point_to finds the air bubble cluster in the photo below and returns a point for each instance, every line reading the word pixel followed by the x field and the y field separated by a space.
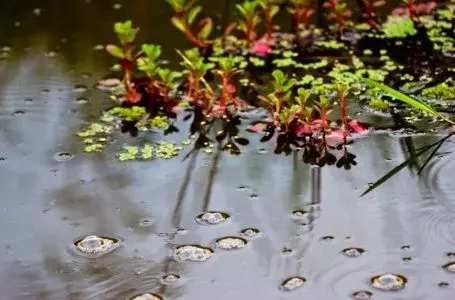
pixel 95 246
pixel 231 243
pixel 292 283
pixel 193 253
pixel 212 218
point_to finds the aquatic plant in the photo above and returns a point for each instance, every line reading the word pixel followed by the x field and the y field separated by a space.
pixel 338 11
pixel 301 10
pixel 413 9
pixel 368 14
pixel 399 27
pixel 270 9
pixel 251 18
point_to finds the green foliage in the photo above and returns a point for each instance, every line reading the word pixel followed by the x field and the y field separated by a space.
pixel 194 62
pixel 256 61
pixel 248 9
pixel 125 32
pixel 180 5
pixel 282 84
pixel 284 62
pixel 167 150
pixel 441 91
pixel 399 27
pixel 134 113
pixel 332 44
pixel 168 77
pixel 379 104
pixel 415 103
pixel 150 64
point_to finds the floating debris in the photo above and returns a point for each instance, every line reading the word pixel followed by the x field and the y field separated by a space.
pixel 450 267
pixel 363 295
pixel 231 243
pixel 250 232
pixel 95 246
pixel 389 282
pixel 193 253
pixel 147 296
pixel 353 252
pixel 63 156
pixel 212 218
pixel 292 283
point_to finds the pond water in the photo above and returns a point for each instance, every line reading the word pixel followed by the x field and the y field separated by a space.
pixel 213 226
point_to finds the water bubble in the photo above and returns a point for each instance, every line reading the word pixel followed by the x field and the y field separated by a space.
pixel 406 247
pixel 254 196
pixel 145 222
pixel 299 214
pixel 19 112
pixel 328 238
pixel 2 158
pixel 95 246
pixel 292 283
pixel 51 54
pixel 363 295
pixel 28 100
pixel 450 254
pixel 353 252
pixel 45 91
pixel 287 251
pixel 389 282
pixel 406 259
pixel 193 253
pixel 263 151
pixel 212 218
pixel 450 267
pixel 443 284
pixel 170 279
pixel 63 156
pixel 37 11
pixel 82 100
pixel 242 188
pixel 80 89
pixel 147 296
pixel 117 6
pixel 98 47
pixel 231 243
pixel 250 232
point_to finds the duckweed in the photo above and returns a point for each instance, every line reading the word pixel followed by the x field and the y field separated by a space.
pixel 332 44
pixel 134 113
pixel 440 91
pixel 379 104
pixel 167 150
pixel 94 148
pixel 399 27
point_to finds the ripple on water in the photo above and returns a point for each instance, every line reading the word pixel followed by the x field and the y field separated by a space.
pixel 362 295
pixel 212 218
pixel 299 214
pixel 63 156
pixel 194 253
pixel 292 283
pixel 250 233
pixel 81 100
pixel 147 296
pixel 19 112
pixel 353 252
pixel 170 279
pixel 95 246
pixel 80 89
pixel 231 243
pixel 389 282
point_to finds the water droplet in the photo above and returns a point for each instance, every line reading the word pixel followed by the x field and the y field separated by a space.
pixel 363 295
pixel 263 151
pixel 254 197
pixel 450 267
pixel 406 247
pixel 98 47
pixel 63 156
pixel 80 89
pixel 117 6
pixel 299 214
pixel 328 238
pixel 147 296
pixel 389 282
pixel 287 251
pixel 18 112
pixel 51 54
pixel 212 218
pixel 95 246
pixel 231 243
pixel 145 222
pixel 406 259
pixel 193 253
pixel 250 232
pixel 81 100
pixel 450 254
pixel 443 284
pixel 353 252
pixel 170 279
pixel 37 11
pixel 292 283
pixel 45 91
pixel 2 158
pixel 242 188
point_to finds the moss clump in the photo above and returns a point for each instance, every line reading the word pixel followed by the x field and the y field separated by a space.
pixel 332 44
pixel 94 148
pixel 167 150
pixel 379 104
pixel 399 27
pixel 134 113
pixel 94 130
pixel 441 91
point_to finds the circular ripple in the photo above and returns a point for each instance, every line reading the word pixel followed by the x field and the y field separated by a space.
pixel 299 214
pixel 147 296
pixel 231 243
pixel 450 267
pixel 170 279
pixel 212 218
pixel 292 283
pixel 95 246
pixel 250 233
pixel 389 282
pixel 63 156
pixel 353 252
pixel 194 253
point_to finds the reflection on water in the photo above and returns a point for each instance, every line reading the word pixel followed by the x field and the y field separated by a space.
pixel 53 194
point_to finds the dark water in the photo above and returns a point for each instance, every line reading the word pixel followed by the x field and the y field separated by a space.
pixel 306 216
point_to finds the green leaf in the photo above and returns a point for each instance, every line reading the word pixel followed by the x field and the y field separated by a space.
pixel 126 33
pixel 193 13
pixel 418 104
pixel 153 52
pixel 274 10
pixel 205 29
pixel 178 23
pixel 115 51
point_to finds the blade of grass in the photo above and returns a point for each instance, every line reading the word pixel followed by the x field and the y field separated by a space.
pixel 406 99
